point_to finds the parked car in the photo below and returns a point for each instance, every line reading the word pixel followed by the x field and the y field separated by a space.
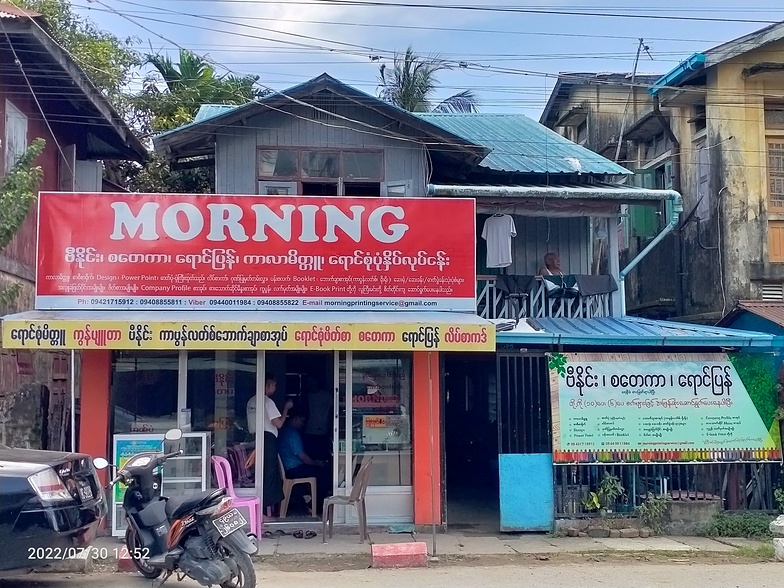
pixel 51 505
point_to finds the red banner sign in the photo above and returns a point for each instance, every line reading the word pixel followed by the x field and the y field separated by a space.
pixel 158 251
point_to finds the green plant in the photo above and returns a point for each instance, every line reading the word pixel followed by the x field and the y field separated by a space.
pixel 610 490
pixel 591 502
pixel 557 362
pixel 750 525
pixel 652 511
pixel 778 494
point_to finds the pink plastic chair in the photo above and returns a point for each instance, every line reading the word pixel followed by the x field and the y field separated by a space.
pixel 223 476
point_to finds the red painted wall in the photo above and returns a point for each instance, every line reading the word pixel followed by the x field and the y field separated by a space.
pixel 426 462
pixel 22 247
pixel 95 396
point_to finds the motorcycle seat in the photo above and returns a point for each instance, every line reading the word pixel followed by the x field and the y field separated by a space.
pixel 178 507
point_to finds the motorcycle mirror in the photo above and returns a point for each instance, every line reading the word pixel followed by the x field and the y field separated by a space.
pixel 100 463
pixel 173 435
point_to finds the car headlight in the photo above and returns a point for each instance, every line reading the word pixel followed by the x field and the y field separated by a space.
pixel 49 487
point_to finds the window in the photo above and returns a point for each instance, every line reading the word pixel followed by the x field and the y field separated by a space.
pixel 774 116
pixel 381 402
pixel 320 164
pixel 15 135
pixel 144 391
pixel 278 163
pixel 776 174
pixel 220 384
pixel 358 165
pixel 702 180
pixel 315 172
pixel 582 133
pixel 699 120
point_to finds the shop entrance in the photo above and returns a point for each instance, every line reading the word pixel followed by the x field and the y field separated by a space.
pixel 471 441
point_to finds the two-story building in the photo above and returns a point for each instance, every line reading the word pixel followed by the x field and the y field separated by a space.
pixel 44 94
pixel 447 347
pixel 710 129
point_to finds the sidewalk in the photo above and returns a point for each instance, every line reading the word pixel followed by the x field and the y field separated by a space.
pixel 456 544
pixel 461 544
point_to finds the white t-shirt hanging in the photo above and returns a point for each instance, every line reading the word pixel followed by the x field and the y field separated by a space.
pixel 498 232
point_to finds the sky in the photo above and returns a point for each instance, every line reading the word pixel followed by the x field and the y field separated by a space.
pixel 510 58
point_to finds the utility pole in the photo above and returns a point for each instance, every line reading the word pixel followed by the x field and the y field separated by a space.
pixel 640 48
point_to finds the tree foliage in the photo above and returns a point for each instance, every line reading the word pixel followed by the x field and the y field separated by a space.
pixel 173 93
pixel 17 196
pixel 413 81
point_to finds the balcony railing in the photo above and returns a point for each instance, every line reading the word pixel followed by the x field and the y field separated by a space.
pixel 493 303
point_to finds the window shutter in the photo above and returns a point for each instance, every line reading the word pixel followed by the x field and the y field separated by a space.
pixel 643 222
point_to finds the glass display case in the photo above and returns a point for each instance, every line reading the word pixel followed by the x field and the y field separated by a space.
pixel 187 474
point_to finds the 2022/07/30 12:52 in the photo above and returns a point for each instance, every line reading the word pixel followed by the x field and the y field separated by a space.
pixel 99 553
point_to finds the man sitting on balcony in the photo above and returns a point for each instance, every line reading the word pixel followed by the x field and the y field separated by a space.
pixel 552 265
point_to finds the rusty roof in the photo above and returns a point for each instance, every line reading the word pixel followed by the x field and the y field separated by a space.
pixel 771 311
pixel 11 11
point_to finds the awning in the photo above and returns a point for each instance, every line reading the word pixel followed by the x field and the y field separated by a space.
pixel 555 200
pixel 627 332
pixel 248 330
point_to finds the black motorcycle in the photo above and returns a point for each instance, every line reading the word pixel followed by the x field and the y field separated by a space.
pixel 200 537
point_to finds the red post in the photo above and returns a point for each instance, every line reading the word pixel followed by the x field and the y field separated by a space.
pixel 95 398
pixel 422 412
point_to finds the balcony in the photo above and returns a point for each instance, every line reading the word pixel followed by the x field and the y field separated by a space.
pixel 497 300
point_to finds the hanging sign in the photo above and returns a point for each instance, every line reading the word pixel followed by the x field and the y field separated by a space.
pixel 686 407
pixel 184 251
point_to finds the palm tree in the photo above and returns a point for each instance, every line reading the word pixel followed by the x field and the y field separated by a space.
pixel 412 83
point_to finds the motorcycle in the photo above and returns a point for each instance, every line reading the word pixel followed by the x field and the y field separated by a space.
pixel 200 536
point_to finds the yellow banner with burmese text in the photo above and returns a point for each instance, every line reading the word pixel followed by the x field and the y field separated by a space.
pixel 300 336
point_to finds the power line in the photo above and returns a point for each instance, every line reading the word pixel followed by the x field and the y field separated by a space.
pixel 494 9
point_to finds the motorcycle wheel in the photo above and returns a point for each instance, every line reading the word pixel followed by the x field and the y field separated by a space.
pixel 247 575
pixel 133 543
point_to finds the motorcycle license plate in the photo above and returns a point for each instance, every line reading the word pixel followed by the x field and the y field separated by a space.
pixel 230 522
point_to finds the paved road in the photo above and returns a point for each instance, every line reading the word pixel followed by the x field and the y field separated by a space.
pixel 545 575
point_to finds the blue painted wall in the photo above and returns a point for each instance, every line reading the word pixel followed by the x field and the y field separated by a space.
pixel 747 321
pixel 527 492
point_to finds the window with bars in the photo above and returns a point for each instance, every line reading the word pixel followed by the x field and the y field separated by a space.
pixel 776 173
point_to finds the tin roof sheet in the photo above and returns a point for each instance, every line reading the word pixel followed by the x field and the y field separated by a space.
pixel 521 144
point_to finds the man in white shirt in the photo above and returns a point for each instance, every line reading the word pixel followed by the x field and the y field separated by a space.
pixel 273 421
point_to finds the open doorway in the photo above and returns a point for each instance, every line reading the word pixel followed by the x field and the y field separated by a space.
pixel 471 442
pixel 307 381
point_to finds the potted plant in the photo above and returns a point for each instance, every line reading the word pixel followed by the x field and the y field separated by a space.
pixel 609 491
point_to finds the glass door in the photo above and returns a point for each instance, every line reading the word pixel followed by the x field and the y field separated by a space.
pixel 372 421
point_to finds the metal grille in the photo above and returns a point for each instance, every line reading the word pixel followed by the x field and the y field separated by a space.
pixel 737 486
pixel 776 173
pixel 523 404
pixel 773 292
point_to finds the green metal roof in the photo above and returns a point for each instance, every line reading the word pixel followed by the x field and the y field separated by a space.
pixel 628 331
pixel 520 144
pixel 207 111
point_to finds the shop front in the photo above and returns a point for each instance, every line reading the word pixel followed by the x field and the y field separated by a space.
pixel 366 382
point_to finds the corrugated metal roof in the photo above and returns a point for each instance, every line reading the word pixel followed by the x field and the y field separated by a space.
pixel 207 111
pixel 12 11
pixel 630 332
pixel 520 144
pixel 771 311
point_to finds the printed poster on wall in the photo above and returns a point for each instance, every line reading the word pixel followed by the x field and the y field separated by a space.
pixel 185 251
pixel 664 407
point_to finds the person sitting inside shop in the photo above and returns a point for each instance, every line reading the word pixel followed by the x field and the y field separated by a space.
pixel 297 463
